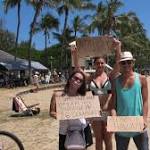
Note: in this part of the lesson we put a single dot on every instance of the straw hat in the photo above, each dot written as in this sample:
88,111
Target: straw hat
126,56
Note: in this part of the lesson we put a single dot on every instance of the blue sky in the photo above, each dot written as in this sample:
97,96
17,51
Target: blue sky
141,8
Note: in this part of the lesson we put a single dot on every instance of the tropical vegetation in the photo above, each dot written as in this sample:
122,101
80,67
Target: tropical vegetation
71,23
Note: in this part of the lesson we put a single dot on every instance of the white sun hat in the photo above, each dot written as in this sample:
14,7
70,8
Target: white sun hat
73,44
126,56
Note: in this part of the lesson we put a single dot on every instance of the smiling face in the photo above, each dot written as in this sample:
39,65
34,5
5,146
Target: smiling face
76,80
76,84
126,66
99,64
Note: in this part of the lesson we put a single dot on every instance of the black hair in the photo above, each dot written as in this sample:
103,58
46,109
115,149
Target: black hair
82,89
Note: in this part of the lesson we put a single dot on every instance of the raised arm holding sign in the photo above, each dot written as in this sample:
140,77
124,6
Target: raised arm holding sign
130,98
99,82
95,47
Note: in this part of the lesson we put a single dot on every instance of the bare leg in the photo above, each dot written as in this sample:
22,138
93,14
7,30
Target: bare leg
97,129
107,137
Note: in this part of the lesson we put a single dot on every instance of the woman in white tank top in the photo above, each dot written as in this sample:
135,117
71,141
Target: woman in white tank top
75,86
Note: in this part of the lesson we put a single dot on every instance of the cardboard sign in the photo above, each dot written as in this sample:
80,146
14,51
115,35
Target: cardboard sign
76,107
93,47
125,123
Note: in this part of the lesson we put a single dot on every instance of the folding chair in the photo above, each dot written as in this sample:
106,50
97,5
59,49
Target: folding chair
18,105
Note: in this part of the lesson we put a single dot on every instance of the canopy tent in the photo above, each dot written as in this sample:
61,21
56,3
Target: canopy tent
38,66
6,57
23,65
7,61
34,65
13,66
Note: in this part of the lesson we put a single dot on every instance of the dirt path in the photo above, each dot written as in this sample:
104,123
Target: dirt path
38,132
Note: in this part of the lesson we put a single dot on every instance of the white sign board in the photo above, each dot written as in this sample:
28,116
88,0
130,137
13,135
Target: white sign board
76,107
125,123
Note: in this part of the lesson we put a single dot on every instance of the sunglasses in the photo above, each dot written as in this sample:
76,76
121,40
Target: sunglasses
77,79
128,62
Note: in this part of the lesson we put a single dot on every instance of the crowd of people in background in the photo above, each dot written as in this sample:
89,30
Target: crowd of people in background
13,79
49,77
18,78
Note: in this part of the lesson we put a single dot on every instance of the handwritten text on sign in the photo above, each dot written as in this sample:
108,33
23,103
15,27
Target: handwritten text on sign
76,107
125,124
93,47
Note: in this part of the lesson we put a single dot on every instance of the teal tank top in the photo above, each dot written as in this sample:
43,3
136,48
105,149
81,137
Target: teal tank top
129,101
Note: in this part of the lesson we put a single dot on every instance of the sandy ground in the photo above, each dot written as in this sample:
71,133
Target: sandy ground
38,132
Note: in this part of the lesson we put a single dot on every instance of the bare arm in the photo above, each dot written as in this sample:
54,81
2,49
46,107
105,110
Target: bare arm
117,48
145,98
113,100
74,54
52,110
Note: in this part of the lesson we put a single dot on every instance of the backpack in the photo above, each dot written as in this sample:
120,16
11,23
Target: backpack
75,139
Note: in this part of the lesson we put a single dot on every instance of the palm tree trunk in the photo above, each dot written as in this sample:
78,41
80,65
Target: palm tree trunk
66,19
30,41
75,34
29,54
46,50
18,28
64,38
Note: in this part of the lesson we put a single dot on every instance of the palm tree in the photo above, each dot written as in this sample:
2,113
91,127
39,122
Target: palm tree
98,19
64,52
103,20
65,7
47,23
131,29
11,4
112,8
7,40
1,23
67,34
78,25
38,5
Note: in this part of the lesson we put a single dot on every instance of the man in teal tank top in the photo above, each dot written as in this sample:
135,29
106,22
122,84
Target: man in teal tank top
130,98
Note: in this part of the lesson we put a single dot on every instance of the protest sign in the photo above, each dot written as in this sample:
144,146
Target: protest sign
92,47
125,123
76,107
